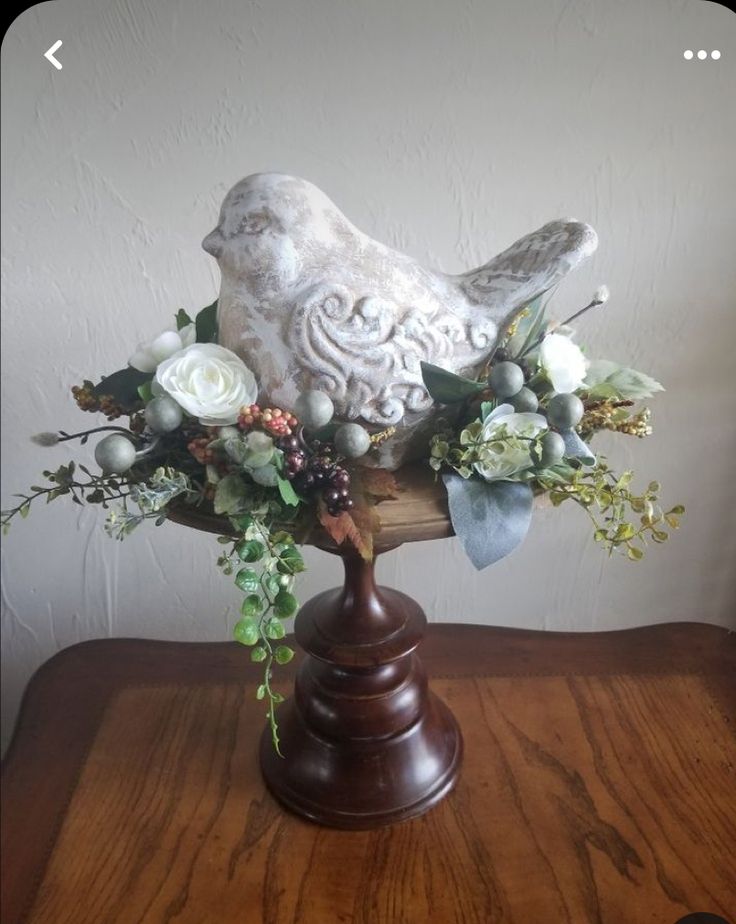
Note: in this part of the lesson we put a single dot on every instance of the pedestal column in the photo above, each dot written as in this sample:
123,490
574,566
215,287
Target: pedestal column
365,742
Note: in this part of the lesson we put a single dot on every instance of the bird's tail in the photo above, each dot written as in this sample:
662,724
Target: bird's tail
527,268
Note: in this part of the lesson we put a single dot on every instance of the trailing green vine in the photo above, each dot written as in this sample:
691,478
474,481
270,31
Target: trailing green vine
264,562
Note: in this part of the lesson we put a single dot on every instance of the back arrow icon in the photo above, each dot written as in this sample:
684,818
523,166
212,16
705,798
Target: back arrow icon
50,54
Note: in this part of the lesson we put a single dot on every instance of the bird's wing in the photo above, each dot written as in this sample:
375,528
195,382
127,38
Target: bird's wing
365,351
529,267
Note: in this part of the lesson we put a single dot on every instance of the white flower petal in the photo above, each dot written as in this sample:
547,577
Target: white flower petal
209,382
563,362
516,455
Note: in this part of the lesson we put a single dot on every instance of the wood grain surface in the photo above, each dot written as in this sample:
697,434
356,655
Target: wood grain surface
599,785
419,512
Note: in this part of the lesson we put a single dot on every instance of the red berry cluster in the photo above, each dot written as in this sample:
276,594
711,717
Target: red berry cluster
272,420
199,448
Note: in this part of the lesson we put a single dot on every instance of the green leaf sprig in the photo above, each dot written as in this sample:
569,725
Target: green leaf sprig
264,562
622,520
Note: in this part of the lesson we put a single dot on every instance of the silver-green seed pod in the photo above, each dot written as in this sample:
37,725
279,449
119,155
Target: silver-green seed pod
314,409
565,411
115,454
506,379
524,401
352,440
163,414
553,449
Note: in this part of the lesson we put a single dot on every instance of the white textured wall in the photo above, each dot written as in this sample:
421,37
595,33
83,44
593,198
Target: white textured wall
447,129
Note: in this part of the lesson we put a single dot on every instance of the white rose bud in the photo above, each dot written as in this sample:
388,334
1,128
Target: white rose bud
563,362
209,382
504,424
148,355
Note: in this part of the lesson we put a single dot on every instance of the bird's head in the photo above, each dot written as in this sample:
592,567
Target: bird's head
272,228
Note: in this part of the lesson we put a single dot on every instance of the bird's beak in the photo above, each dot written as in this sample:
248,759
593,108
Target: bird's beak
213,243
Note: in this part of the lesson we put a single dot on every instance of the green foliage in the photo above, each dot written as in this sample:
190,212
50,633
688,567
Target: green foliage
283,654
268,597
250,550
287,492
144,392
182,319
246,631
163,486
252,605
206,324
606,379
447,388
230,495
290,561
123,386
622,520
85,487
248,580
285,604
527,329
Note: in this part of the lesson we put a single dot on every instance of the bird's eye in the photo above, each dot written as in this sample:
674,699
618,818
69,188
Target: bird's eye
254,223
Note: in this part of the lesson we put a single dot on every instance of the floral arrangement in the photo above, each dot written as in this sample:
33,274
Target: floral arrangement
197,436
523,429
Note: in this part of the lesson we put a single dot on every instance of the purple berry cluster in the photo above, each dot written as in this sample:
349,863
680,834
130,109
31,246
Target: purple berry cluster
317,472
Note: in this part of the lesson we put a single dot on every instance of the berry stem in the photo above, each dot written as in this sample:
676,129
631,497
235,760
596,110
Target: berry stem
75,436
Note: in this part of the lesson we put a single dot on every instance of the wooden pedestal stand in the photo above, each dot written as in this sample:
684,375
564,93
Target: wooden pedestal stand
365,743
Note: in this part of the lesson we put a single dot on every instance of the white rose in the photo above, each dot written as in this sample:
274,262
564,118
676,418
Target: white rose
516,455
563,363
209,382
148,355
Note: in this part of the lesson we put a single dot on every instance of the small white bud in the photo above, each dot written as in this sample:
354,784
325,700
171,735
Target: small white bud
45,439
601,295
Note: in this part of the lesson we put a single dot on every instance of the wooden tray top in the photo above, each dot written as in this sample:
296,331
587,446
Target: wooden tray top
420,512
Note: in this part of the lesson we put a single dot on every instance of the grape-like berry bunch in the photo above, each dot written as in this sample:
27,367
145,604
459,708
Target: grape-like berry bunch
317,473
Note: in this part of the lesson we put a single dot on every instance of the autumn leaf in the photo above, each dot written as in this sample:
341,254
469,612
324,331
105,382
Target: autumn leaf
357,527
378,483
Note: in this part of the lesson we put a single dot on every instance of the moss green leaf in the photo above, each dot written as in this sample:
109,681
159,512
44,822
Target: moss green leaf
246,631
446,387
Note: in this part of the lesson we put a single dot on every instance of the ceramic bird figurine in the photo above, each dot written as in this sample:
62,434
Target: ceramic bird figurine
309,301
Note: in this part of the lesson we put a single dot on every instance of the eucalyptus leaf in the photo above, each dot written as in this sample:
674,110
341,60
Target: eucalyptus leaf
446,387
490,518
575,448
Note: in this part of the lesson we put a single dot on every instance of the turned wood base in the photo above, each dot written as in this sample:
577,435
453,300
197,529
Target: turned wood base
364,741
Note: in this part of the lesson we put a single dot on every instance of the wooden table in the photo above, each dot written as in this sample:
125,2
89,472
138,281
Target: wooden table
599,785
